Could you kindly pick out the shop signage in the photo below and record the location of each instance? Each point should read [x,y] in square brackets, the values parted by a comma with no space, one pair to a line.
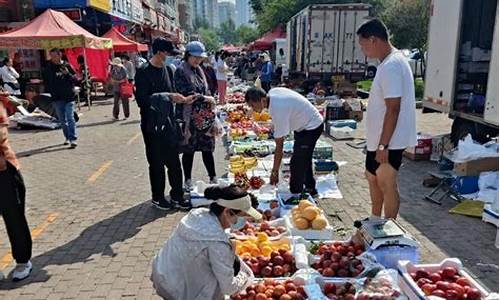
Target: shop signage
[103,5]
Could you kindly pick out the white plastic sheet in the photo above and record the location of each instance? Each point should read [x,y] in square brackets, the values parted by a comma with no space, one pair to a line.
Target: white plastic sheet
[327,187]
[468,150]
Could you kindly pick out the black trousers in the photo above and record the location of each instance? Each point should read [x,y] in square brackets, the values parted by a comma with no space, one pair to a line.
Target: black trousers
[301,170]
[12,206]
[162,153]
[208,161]
[266,85]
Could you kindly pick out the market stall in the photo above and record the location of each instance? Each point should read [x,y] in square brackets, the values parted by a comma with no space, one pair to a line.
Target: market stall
[266,41]
[122,43]
[295,251]
[53,29]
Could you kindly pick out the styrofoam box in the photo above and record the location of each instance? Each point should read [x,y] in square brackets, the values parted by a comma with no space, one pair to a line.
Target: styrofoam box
[410,287]
[309,234]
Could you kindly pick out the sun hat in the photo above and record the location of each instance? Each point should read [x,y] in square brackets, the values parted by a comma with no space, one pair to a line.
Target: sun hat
[243,204]
[116,61]
[196,48]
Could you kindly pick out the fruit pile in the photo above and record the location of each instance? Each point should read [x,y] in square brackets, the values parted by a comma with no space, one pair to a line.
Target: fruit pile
[243,124]
[339,291]
[446,283]
[378,289]
[261,117]
[281,263]
[241,180]
[239,164]
[256,182]
[237,133]
[274,290]
[263,228]
[259,246]
[339,260]
[235,98]
[306,216]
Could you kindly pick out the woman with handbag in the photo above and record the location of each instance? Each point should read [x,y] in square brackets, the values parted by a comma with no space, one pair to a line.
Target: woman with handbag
[198,118]
[118,74]
[10,78]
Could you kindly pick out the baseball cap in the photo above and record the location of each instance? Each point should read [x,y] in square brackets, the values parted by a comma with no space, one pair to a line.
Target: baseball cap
[243,204]
[196,48]
[162,44]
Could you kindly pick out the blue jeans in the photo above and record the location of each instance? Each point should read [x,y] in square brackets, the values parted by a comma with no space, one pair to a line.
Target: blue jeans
[65,112]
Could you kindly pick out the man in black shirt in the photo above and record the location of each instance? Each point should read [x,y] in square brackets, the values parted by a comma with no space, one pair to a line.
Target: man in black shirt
[60,79]
[152,78]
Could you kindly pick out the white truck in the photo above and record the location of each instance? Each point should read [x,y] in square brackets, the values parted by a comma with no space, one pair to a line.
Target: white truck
[462,66]
[322,42]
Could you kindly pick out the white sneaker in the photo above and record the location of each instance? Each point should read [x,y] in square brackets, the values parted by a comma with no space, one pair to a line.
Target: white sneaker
[188,185]
[214,181]
[22,271]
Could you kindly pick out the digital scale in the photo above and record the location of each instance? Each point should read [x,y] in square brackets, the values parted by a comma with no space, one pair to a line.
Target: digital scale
[378,233]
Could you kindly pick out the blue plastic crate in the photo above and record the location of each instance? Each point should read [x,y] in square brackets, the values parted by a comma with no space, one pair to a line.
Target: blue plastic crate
[466,184]
[388,256]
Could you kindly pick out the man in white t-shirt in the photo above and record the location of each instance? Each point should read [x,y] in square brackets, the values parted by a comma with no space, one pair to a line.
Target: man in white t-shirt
[291,112]
[390,121]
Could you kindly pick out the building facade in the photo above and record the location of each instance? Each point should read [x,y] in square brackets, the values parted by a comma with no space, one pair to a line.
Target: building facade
[244,13]
[227,11]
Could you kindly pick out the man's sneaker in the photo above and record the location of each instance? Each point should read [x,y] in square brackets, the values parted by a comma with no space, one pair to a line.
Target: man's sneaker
[163,205]
[183,204]
[188,185]
[66,143]
[22,271]
[73,145]
[213,180]
[312,192]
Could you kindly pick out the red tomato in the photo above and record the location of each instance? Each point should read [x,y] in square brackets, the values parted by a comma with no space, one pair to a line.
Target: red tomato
[463,281]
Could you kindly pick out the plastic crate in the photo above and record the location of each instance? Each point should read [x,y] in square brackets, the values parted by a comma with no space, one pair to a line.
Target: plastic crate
[389,256]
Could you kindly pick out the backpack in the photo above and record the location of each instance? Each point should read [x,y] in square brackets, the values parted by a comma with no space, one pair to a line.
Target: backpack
[161,120]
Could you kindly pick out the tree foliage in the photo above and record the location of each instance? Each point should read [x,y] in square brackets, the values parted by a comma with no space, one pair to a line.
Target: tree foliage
[271,13]
[246,34]
[408,22]
[209,38]
[227,32]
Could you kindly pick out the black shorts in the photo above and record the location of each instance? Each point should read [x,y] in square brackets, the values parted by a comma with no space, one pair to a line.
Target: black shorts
[395,158]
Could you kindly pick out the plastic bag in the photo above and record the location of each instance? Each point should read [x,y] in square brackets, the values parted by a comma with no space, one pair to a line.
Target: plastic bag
[468,150]
[383,285]
[488,180]
[258,83]
[219,128]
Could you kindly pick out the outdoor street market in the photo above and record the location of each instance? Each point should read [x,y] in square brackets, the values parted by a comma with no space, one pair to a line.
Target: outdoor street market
[330,165]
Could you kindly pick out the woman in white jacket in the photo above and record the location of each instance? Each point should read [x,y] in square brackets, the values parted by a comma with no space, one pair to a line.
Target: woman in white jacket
[198,261]
[9,77]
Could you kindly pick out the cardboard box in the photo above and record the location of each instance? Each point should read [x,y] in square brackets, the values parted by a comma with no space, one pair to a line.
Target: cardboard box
[475,167]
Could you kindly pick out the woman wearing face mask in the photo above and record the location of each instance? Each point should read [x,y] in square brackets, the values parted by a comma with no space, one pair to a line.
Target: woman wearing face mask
[199,130]
[198,260]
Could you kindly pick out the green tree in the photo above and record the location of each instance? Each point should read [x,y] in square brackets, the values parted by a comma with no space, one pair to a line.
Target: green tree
[227,32]
[408,23]
[200,23]
[209,38]
[246,34]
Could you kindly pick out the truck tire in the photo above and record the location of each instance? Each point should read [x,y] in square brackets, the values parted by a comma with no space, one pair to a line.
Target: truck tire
[460,129]
[370,72]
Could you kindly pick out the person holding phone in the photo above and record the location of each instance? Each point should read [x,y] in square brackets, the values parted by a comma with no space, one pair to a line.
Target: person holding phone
[199,117]
[60,80]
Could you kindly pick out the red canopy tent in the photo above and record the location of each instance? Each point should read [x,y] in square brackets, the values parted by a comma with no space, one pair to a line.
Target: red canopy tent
[53,29]
[231,48]
[122,43]
[266,41]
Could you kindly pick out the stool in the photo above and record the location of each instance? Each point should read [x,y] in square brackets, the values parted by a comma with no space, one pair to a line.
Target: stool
[447,179]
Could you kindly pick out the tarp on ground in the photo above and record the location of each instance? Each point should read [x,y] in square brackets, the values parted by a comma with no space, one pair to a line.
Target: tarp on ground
[52,29]
[122,43]
[266,41]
